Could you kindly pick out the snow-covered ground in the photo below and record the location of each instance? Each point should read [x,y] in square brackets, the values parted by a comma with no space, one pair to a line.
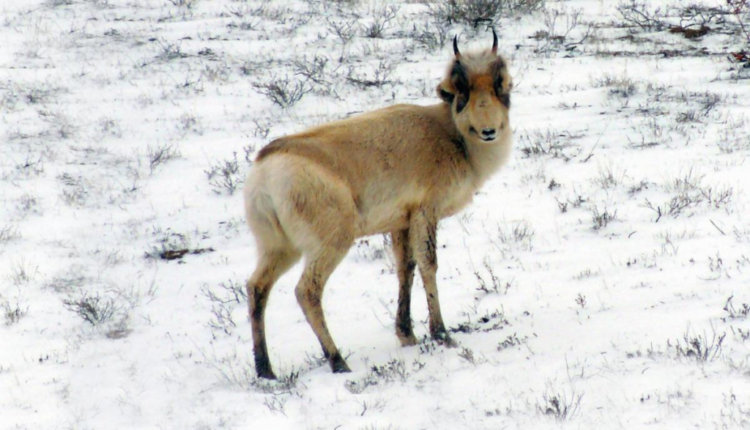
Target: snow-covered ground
[600,280]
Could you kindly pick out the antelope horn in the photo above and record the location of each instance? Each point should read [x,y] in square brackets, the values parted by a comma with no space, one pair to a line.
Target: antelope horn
[455,46]
[494,41]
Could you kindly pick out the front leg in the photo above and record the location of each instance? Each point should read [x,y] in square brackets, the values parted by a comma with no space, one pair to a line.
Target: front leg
[423,239]
[405,264]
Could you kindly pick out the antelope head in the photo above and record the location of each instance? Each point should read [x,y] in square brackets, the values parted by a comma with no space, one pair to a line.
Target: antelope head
[478,88]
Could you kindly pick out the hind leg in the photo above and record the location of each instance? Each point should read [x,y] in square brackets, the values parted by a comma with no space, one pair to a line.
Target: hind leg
[272,264]
[310,295]
[316,210]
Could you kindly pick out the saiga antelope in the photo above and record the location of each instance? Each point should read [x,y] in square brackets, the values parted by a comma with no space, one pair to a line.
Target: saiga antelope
[396,170]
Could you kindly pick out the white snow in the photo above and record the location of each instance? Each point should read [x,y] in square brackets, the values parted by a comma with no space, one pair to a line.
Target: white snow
[605,269]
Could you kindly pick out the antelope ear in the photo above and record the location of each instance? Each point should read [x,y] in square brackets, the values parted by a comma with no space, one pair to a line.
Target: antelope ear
[455,84]
[459,79]
[502,81]
[500,76]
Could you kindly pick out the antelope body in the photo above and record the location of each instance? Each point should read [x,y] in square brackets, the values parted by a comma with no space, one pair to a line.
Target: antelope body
[396,170]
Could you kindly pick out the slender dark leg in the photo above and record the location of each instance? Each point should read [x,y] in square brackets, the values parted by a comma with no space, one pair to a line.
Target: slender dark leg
[405,265]
[310,295]
[271,265]
[423,238]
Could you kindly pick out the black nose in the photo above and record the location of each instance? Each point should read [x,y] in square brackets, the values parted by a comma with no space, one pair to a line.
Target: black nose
[488,132]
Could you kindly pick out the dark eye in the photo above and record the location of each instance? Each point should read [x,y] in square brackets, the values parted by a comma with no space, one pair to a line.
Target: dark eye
[461,100]
[504,99]
[446,96]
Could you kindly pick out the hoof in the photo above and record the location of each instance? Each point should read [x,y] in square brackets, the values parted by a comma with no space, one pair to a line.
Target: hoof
[263,370]
[442,338]
[267,374]
[338,365]
[341,368]
[407,339]
[449,342]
